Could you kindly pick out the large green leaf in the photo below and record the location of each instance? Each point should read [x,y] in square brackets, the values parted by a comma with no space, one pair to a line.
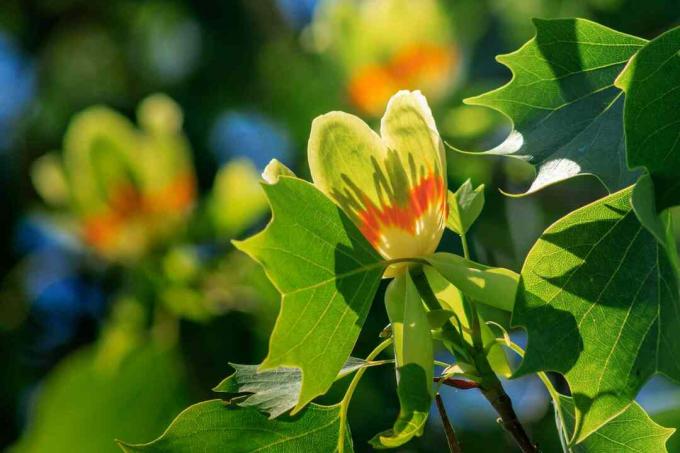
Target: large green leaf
[599,299]
[214,426]
[494,286]
[651,81]
[414,361]
[86,402]
[631,431]
[273,391]
[327,274]
[567,114]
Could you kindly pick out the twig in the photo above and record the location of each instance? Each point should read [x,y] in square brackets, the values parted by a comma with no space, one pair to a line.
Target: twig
[461,384]
[454,446]
[501,402]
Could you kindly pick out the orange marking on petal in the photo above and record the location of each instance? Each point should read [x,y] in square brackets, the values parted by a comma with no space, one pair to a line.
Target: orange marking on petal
[427,194]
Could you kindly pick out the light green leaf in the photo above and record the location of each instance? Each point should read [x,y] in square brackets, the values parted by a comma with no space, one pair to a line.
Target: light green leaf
[414,361]
[214,426]
[452,300]
[327,274]
[599,299]
[273,391]
[651,81]
[465,205]
[493,286]
[631,431]
[566,112]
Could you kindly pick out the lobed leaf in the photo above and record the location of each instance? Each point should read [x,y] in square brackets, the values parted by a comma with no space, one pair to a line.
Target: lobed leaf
[567,115]
[651,81]
[327,274]
[632,431]
[599,299]
[214,426]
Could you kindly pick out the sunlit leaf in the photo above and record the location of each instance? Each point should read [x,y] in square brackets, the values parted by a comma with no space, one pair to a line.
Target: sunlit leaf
[567,115]
[414,361]
[493,286]
[327,274]
[599,299]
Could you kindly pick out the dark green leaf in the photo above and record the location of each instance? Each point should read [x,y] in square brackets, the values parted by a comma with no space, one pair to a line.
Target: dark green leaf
[599,299]
[631,431]
[414,361]
[214,426]
[566,112]
[465,205]
[652,84]
[644,205]
[327,274]
[273,391]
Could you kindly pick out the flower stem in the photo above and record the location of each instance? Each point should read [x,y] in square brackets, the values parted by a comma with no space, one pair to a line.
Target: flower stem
[344,404]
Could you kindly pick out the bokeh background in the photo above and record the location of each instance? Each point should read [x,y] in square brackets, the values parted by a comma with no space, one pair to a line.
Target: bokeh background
[132,135]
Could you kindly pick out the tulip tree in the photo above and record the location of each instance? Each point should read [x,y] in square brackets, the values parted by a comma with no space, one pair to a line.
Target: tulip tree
[598,294]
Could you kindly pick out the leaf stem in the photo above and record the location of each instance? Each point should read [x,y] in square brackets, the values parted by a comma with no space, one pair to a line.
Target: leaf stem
[466,249]
[454,446]
[344,404]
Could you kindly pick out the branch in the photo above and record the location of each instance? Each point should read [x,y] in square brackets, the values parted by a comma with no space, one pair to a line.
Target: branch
[454,446]
[501,402]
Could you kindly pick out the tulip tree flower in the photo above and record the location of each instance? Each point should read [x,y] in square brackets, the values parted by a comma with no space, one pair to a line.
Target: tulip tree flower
[392,185]
[123,189]
[381,46]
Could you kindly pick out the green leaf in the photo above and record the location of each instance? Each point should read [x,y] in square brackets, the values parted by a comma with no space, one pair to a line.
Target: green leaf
[494,286]
[87,402]
[414,361]
[644,205]
[327,274]
[566,112]
[599,300]
[273,391]
[632,431]
[451,298]
[214,426]
[651,81]
[465,205]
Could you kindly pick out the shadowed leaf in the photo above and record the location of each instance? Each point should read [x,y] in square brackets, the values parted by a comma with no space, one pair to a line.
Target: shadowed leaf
[567,115]
[599,299]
